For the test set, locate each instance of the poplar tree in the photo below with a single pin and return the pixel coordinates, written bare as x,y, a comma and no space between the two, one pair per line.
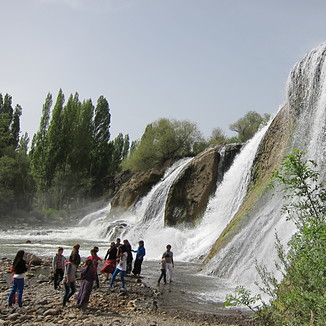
101,155
39,150
16,186
54,158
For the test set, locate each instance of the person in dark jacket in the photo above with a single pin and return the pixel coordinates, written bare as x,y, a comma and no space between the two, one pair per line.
141,252
18,269
129,258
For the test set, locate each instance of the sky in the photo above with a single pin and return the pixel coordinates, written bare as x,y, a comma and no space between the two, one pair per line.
206,61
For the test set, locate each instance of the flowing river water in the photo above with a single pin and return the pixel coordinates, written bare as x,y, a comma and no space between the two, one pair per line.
190,290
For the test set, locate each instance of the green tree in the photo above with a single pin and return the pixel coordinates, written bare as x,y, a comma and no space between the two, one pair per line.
6,114
217,136
16,183
39,150
55,141
164,139
102,151
248,125
126,147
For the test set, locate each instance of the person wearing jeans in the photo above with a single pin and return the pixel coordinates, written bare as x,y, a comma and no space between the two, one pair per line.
69,281
18,269
122,266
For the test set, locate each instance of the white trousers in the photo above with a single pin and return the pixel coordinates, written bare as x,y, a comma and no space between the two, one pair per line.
169,269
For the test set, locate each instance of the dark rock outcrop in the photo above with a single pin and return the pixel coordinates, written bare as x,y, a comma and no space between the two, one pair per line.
137,186
189,194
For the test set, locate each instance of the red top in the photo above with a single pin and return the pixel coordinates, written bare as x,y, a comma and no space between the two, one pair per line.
95,260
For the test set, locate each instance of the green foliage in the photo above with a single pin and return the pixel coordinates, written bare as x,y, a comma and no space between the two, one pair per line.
248,125
120,151
217,137
102,151
300,298
165,139
16,183
71,153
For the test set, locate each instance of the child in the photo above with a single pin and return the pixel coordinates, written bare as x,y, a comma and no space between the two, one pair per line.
163,270
122,266
69,281
58,266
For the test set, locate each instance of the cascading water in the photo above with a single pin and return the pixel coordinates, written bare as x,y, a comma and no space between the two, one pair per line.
307,98
255,242
234,264
223,205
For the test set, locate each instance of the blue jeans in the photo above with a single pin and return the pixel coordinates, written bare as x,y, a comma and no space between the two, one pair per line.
17,285
122,275
70,290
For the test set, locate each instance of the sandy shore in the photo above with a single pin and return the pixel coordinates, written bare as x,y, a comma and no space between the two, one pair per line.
137,306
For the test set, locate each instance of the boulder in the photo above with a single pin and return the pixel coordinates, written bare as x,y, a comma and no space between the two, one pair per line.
32,259
137,186
188,196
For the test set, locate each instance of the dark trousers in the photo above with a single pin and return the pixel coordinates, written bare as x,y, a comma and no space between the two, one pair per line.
137,266
58,277
97,281
163,274
70,290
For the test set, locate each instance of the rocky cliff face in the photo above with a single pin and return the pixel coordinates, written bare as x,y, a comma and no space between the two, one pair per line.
189,194
137,186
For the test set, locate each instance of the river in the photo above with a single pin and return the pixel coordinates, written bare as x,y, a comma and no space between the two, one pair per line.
190,290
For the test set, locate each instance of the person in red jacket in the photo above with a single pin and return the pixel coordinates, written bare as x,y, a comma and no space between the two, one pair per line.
95,259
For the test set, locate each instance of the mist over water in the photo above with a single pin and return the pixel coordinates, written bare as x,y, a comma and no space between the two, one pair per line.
235,263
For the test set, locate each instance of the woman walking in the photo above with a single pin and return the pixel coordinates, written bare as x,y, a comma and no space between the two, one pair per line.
18,269
88,276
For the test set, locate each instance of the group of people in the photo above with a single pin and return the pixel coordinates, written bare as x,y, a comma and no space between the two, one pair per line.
118,260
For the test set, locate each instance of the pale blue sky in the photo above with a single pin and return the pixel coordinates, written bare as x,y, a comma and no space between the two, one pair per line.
207,61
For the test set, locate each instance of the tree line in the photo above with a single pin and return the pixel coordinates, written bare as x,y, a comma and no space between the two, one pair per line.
71,156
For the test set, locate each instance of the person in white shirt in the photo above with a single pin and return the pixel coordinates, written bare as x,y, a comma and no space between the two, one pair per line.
121,267
168,255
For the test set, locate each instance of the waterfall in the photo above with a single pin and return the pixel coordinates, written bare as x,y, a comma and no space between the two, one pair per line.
307,98
224,204
235,263
146,221
255,243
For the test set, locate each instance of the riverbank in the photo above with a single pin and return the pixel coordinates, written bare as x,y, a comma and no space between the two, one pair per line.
139,305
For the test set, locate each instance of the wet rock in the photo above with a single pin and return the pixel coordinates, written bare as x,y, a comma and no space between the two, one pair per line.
33,259
14,316
51,312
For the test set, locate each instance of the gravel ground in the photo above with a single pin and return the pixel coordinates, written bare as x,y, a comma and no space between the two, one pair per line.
137,306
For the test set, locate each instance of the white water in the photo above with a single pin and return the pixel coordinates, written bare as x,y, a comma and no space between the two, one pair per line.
255,243
234,265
